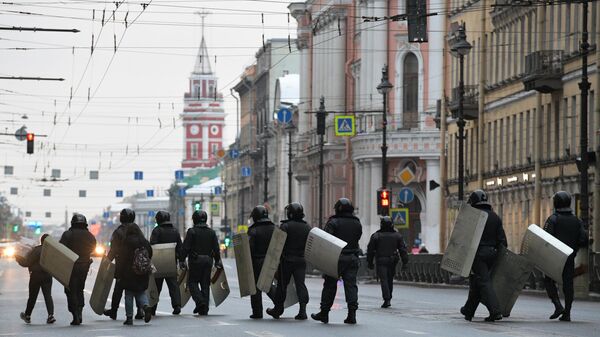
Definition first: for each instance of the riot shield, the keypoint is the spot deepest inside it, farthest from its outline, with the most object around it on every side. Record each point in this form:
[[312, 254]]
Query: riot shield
[[243, 263], [271, 263], [511, 272], [163, 258], [152, 291], [323, 251], [182, 280], [219, 286], [58, 260], [104, 278], [291, 296], [463, 243], [548, 253]]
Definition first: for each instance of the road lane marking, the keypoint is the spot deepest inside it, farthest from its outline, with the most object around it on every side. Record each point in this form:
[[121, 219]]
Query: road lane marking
[[262, 334], [415, 332]]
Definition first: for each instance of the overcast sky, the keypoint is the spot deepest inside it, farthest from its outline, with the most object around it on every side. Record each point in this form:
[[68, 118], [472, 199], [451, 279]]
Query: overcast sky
[[135, 94]]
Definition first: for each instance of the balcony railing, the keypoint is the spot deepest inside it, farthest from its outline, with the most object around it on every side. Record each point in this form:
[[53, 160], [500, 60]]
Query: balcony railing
[[544, 71], [470, 103]]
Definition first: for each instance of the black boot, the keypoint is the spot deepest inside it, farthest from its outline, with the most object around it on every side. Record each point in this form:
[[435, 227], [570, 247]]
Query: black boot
[[256, 315], [203, 311], [558, 309], [463, 311], [322, 316], [301, 312], [111, 313], [147, 313], [139, 314], [177, 310], [275, 312], [351, 318], [386, 304], [128, 321], [493, 317], [80, 315], [565, 317], [75, 320]]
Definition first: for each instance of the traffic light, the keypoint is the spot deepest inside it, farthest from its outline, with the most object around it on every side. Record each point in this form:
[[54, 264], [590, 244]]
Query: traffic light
[[227, 241], [383, 202], [15, 228], [30, 138], [197, 206]]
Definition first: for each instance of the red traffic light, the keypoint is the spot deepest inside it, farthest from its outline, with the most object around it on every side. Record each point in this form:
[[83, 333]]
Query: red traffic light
[[383, 202], [30, 137]]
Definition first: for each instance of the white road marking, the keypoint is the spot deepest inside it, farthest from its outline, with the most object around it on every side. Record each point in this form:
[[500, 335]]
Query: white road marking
[[263, 334], [94, 330], [415, 332]]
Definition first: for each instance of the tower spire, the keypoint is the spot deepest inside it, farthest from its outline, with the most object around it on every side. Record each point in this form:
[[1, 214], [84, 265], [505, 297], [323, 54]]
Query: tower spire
[[202, 65]]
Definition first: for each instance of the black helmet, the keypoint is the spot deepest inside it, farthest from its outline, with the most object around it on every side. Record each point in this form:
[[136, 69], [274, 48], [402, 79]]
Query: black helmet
[[78, 219], [162, 217], [386, 222], [343, 205], [294, 211], [127, 215], [199, 217], [562, 201], [259, 212], [478, 197]]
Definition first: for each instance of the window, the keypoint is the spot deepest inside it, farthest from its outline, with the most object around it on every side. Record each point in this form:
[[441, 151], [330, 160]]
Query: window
[[48, 214], [514, 140], [214, 149], [47, 192], [194, 150], [410, 96], [557, 136], [528, 136], [14, 190], [565, 123], [549, 139], [568, 29], [521, 140]]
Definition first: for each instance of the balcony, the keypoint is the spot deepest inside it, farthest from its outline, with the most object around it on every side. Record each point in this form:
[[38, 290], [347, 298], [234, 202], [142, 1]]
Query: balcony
[[544, 71], [470, 103], [401, 144]]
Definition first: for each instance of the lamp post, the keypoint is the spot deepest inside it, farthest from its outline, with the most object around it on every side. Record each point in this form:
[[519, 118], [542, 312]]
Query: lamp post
[[211, 197], [460, 48], [290, 129], [384, 88]]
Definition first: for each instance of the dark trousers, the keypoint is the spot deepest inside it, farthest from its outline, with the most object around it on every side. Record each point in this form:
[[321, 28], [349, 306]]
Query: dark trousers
[[289, 269], [35, 283], [75, 299], [256, 299], [173, 290], [347, 268], [481, 288], [116, 296], [386, 269], [567, 278], [200, 275]]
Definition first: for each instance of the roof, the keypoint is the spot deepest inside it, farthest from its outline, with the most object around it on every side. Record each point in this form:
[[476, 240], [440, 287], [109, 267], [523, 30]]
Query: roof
[[205, 188], [198, 176], [202, 66]]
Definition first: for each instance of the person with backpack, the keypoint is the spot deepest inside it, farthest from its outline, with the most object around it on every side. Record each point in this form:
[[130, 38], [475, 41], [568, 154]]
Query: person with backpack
[[137, 266], [259, 237], [38, 278]]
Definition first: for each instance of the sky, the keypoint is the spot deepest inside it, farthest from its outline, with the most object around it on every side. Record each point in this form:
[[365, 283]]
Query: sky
[[116, 111]]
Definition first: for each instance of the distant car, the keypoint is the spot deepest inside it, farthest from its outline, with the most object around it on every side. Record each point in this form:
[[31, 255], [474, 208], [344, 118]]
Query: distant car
[[8, 248], [100, 251]]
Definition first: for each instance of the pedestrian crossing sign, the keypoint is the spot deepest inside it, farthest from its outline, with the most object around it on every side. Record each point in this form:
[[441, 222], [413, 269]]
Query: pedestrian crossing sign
[[400, 217], [344, 126]]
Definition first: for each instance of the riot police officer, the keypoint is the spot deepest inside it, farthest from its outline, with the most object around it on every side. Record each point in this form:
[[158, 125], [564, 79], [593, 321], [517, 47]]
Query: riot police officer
[[347, 227], [259, 237], [201, 247], [81, 242], [386, 247], [480, 282], [165, 232], [566, 227], [292, 261]]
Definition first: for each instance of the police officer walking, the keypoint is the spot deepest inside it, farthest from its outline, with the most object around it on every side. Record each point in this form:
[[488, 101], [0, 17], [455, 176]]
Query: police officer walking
[[347, 227], [259, 237], [292, 261], [480, 281], [81, 242], [165, 232], [201, 247], [386, 247], [566, 227]]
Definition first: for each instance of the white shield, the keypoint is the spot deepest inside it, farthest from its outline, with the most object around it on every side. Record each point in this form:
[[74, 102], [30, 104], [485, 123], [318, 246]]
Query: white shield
[[104, 280], [182, 280], [219, 286], [510, 274], [58, 260], [271, 263], [152, 291], [291, 296], [243, 263], [323, 251], [548, 253], [464, 241], [163, 258]]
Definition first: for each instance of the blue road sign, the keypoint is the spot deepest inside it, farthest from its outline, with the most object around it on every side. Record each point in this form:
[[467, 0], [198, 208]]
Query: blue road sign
[[151, 213], [234, 153], [284, 115], [246, 171], [119, 193], [138, 175], [149, 193], [344, 126], [218, 190], [182, 192], [179, 175], [105, 215], [406, 195]]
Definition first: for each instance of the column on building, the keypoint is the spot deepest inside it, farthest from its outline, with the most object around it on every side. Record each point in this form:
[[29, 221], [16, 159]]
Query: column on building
[[435, 33], [372, 195], [205, 141], [431, 227], [379, 51], [365, 188]]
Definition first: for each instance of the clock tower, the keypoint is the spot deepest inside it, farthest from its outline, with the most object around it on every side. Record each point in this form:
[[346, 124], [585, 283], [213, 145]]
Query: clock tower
[[203, 115]]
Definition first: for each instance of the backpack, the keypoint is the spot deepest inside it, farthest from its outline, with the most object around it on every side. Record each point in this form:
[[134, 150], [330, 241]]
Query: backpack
[[142, 264]]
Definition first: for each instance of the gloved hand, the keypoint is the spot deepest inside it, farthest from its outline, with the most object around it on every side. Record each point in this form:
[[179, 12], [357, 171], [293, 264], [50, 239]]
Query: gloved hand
[[371, 266], [219, 264], [182, 265]]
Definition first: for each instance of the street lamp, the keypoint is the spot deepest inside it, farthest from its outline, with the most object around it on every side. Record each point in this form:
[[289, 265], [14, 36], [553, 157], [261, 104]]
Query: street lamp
[[384, 88], [290, 128], [460, 48]]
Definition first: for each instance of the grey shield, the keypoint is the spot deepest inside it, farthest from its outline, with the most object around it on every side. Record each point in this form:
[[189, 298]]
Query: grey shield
[[57, 260], [163, 258], [182, 278], [243, 263], [104, 280], [219, 286], [291, 296], [510, 274], [271, 263], [547, 252], [463, 243], [152, 291], [323, 251]]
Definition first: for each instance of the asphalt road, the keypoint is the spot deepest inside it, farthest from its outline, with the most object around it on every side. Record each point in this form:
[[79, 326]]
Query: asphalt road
[[415, 311]]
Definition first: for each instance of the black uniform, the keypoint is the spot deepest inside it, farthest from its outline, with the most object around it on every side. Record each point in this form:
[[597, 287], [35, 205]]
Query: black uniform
[[116, 253], [292, 261], [566, 227], [83, 243], [348, 228], [386, 247], [480, 282], [201, 247], [38, 279], [166, 233], [259, 236]]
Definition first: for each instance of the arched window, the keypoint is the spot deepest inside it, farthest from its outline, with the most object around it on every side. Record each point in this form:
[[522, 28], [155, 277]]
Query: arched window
[[410, 96]]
